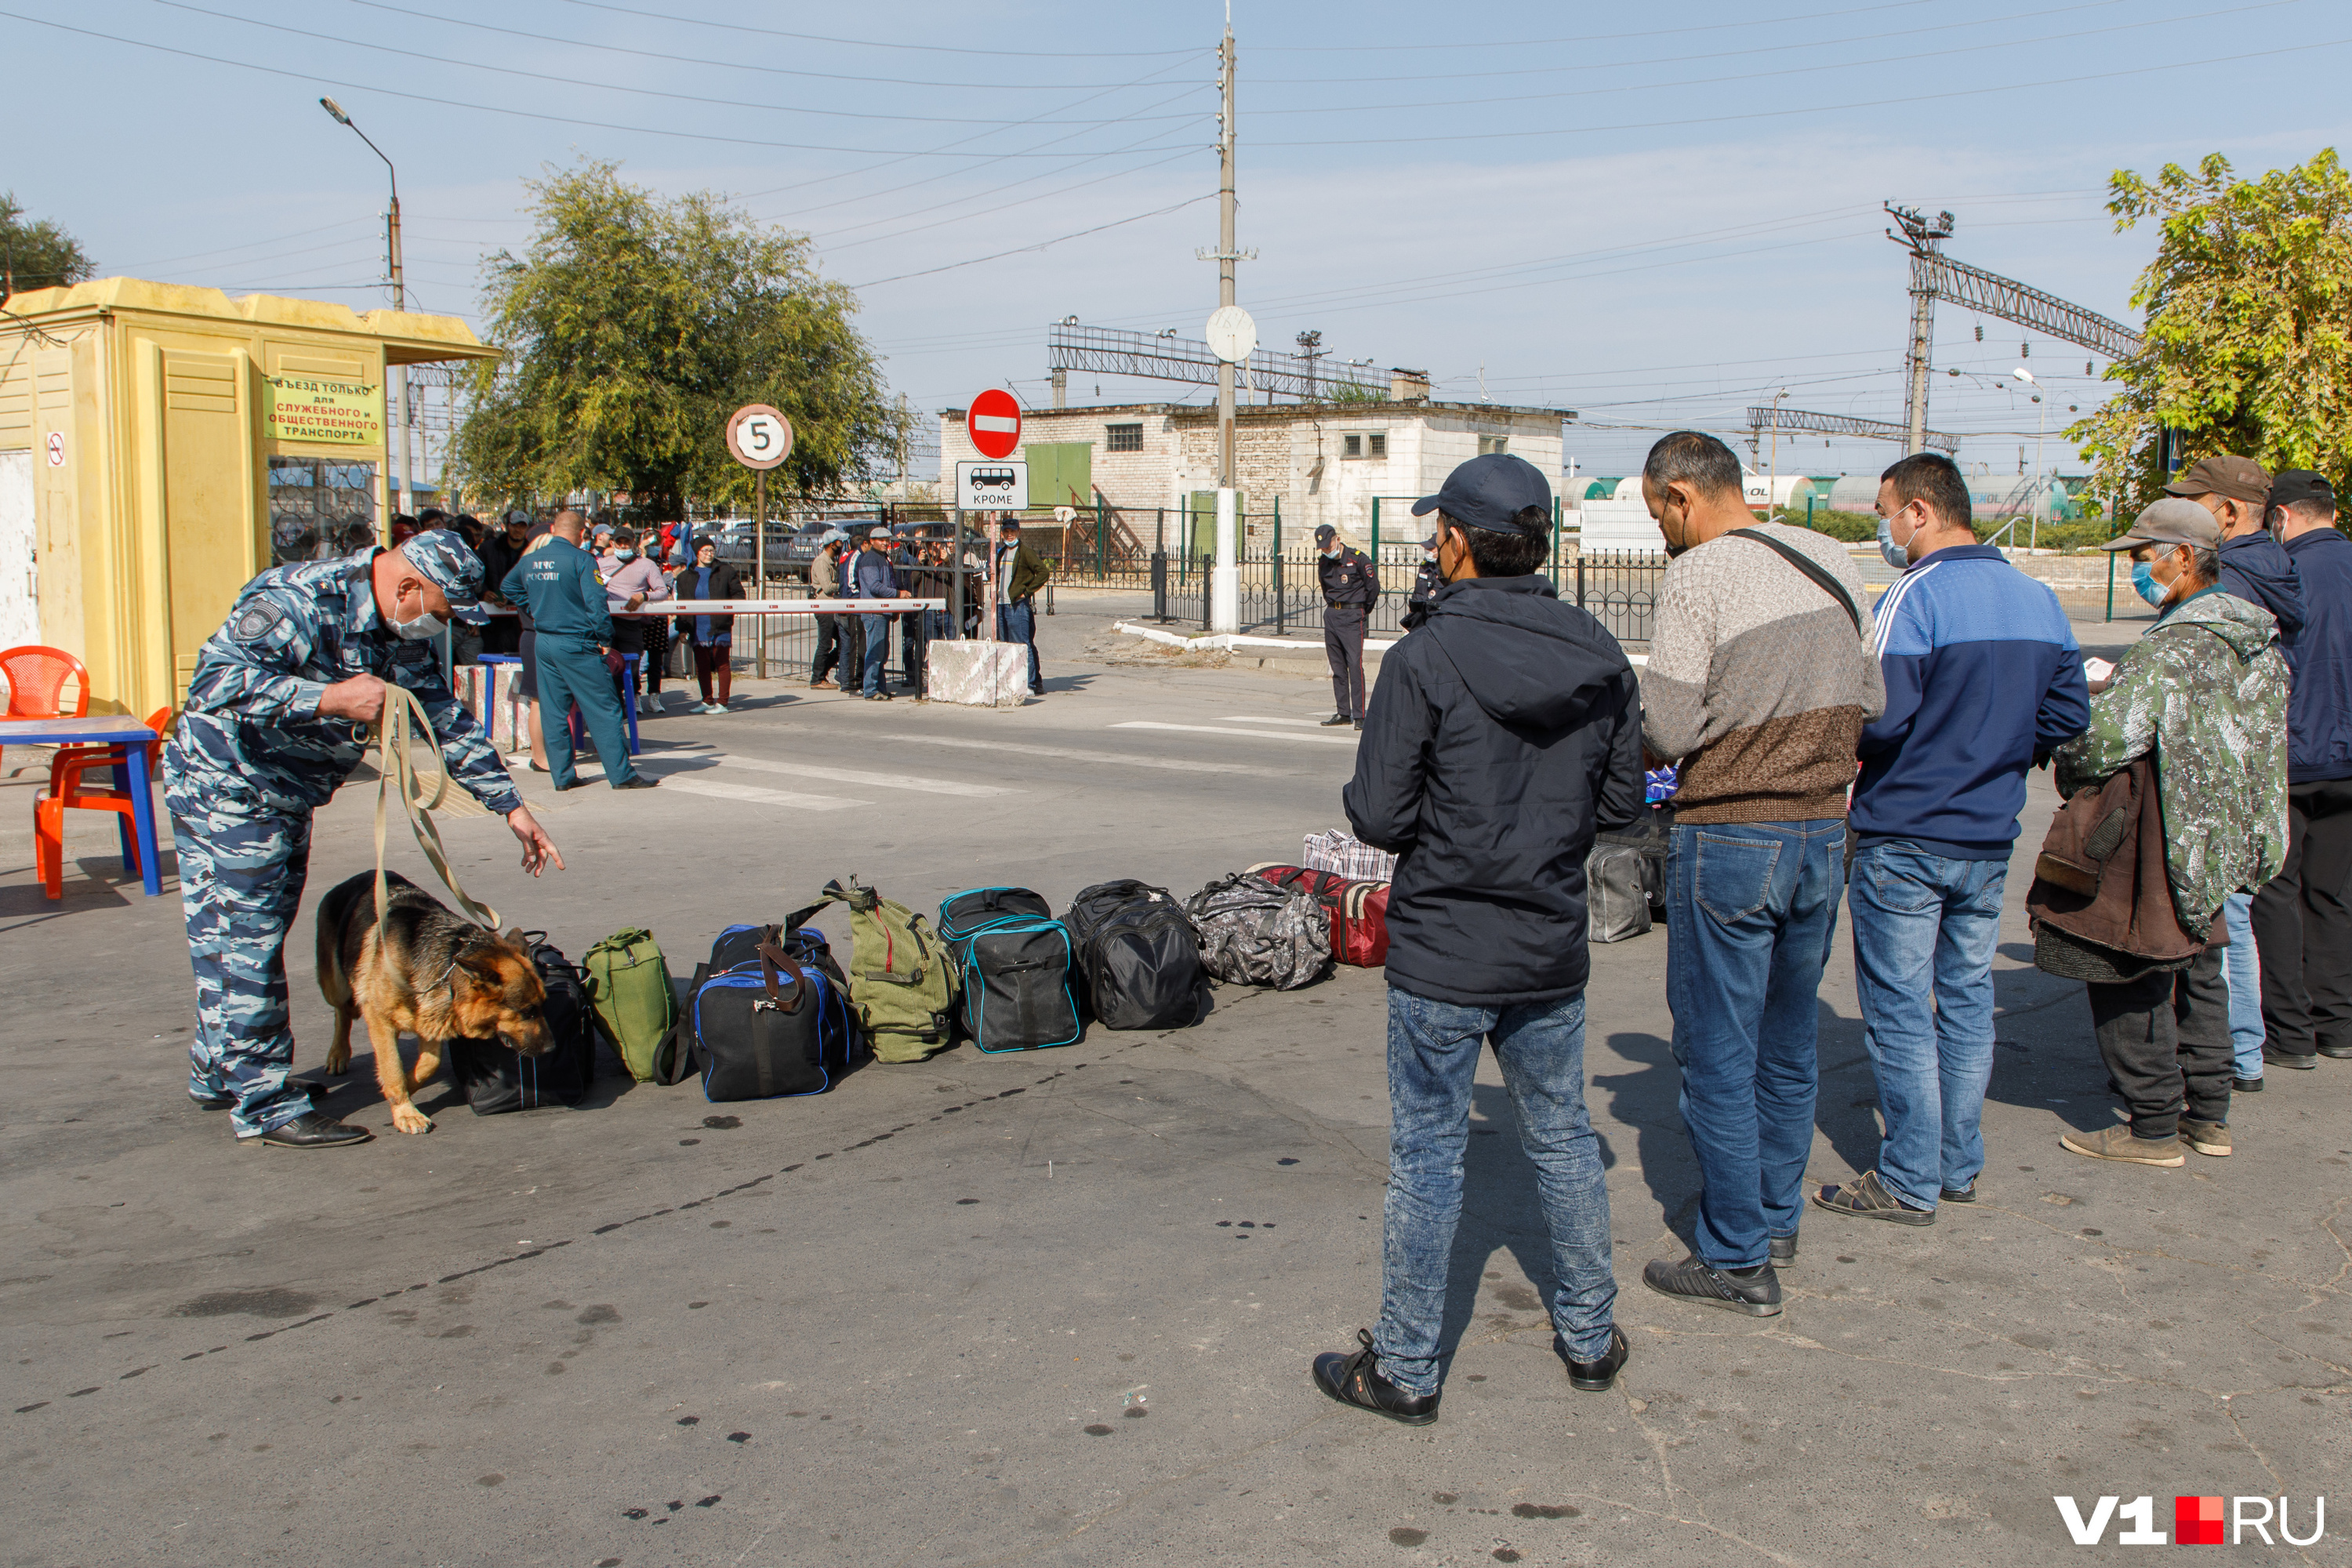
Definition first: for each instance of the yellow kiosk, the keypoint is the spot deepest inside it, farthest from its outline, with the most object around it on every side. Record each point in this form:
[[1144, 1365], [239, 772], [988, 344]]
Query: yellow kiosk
[[160, 444]]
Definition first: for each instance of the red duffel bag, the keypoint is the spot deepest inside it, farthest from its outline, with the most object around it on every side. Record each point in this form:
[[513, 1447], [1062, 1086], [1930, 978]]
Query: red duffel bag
[[1358, 911]]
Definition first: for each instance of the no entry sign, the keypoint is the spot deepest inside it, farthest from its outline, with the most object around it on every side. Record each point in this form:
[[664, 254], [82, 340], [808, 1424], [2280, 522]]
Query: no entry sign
[[993, 422]]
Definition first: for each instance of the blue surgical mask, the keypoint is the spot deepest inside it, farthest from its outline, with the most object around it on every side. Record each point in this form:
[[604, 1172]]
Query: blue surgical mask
[[625, 555], [1896, 554], [2144, 582]]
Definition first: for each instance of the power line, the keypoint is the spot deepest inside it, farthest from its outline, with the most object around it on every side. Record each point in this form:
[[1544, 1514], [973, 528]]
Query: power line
[[749, 66], [640, 91], [739, 28], [1906, 98], [315, 81], [1944, 53], [1584, 38], [1018, 250]]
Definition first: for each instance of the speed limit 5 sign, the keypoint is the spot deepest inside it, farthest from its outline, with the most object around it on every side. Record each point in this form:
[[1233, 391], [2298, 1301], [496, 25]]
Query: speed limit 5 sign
[[758, 436]]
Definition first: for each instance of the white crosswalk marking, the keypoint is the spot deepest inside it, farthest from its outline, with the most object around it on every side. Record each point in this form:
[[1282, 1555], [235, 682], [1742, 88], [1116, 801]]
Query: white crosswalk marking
[[849, 775], [1064, 753], [1254, 719], [720, 789], [1348, 739]]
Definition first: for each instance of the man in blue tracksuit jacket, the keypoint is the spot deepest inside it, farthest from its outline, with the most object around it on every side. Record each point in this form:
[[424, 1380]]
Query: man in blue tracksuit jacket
[[556, 586], [1983, 681], [2301, 919], [2257, 569]]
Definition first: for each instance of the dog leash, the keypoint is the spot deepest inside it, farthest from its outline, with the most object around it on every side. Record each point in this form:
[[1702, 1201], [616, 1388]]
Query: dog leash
[[403, 720]]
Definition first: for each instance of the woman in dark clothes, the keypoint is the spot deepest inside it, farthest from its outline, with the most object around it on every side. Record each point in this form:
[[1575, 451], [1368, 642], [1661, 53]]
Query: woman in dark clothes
[[711, 636]]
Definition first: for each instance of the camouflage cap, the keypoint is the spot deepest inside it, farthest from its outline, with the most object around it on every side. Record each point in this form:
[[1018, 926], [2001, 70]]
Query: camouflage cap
[[444, 561], [2171, 521], [2233, 478]]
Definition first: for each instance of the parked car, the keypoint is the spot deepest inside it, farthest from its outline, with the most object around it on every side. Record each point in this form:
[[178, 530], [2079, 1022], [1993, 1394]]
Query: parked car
[[790, 546]]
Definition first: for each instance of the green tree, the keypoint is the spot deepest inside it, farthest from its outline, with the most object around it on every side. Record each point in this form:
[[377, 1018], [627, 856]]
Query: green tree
[[37, 255], [633, 327], [2249, 344]]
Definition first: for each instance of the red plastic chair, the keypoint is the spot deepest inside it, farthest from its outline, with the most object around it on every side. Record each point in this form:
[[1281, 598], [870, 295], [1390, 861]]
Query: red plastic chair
[[67, 792], [37, 680]]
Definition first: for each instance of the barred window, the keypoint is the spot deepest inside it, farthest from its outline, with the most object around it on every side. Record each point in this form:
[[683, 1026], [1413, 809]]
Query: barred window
[[1123, 437], [1378, 441], [1355, 447]]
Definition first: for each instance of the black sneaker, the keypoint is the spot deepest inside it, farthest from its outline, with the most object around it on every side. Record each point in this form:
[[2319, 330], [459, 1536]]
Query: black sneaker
[[2293, 1061], [2245, 1086], [1866, 1197], [1352, 1378], [1784, 1249], [1755, 1291], [2339, 1053], [1593, 1376], [1336, 720], [641, 781], [1967, 1194]]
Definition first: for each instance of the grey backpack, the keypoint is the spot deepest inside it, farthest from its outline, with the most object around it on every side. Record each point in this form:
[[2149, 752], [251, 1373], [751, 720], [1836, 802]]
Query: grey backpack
[[1255, 934]]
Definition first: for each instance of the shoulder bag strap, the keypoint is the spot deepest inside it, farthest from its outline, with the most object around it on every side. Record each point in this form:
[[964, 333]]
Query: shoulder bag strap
[[772, 959], [1809, 566]]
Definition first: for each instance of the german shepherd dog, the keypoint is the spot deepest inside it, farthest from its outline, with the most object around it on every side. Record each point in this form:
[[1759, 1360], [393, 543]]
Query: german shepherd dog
[[433, 976]]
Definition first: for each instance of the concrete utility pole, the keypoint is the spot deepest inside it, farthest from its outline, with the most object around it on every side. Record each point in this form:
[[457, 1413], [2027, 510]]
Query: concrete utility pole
[[1226, 256]]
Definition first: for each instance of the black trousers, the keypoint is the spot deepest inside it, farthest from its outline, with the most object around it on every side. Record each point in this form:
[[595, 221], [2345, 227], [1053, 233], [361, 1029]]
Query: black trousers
[[828, 649], [852, 632], [914, 647], [2303, 924], [1343, 643], [2166, 1040]]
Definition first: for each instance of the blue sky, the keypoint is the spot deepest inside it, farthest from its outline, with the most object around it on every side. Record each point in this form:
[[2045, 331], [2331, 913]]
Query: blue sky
[[1655, 217]]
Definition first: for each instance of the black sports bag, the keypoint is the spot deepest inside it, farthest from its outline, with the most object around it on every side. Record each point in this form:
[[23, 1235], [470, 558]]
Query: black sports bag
[[1137, 956], [497, 1080], [771, 1014], [1013, 961]]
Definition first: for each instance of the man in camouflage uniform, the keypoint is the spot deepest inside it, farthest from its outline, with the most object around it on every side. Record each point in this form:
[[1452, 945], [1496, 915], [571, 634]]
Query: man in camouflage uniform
[[276, 710], [2204, 693]]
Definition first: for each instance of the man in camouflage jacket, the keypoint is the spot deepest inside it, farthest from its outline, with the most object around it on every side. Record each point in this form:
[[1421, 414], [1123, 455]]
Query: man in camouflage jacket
[[2204, 692], [276, 712]]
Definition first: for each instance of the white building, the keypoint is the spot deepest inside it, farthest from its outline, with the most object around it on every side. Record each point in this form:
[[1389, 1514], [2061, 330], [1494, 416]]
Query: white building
[[1321, 462]]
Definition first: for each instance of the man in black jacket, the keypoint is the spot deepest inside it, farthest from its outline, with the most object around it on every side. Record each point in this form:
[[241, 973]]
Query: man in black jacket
[[1505, 731], [1426, 581], [1351, 588]]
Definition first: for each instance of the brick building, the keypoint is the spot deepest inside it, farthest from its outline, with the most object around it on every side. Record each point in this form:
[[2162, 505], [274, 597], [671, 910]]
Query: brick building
[[1153, 463]]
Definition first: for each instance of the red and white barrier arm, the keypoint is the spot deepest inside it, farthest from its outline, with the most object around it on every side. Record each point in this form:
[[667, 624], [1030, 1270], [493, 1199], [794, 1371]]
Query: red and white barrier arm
[[770, 607]]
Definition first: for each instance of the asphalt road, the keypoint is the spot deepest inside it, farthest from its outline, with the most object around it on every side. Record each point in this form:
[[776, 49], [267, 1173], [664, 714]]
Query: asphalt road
[[1058, 1308]]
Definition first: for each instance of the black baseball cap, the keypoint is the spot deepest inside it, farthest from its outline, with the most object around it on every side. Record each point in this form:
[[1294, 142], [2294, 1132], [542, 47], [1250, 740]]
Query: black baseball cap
[[2295, 487], [1325, 533], [1489, 492]]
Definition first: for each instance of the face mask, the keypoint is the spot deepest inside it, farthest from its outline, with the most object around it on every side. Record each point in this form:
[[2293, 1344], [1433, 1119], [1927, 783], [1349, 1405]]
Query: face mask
[[422, 626], [1895, 554], [2145, 584], [625, 555]]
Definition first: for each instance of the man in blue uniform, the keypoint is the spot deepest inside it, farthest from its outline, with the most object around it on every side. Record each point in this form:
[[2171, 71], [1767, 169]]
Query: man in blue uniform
[[556, 586], [275, 708]]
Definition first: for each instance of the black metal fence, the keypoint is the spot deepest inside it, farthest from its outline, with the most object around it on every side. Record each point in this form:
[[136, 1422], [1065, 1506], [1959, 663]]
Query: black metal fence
[[1282, 595]]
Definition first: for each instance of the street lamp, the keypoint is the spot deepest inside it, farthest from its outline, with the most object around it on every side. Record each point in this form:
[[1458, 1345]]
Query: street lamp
[[2041, 480], [399, 297]]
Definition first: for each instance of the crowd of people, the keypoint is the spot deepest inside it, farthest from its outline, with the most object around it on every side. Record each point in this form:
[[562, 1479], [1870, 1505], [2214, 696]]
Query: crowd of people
[[1827, 751]]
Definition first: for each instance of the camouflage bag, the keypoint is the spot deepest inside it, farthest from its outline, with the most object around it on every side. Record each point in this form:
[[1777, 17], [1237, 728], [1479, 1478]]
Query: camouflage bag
[[901, 983], [1255, 934]]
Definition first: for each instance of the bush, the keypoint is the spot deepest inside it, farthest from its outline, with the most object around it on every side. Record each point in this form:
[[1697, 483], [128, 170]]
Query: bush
[[1846, 527]]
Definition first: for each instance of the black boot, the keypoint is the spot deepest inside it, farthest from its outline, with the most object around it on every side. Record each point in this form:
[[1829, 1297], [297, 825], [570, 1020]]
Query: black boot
[[311, 1129], [1353, 1379]]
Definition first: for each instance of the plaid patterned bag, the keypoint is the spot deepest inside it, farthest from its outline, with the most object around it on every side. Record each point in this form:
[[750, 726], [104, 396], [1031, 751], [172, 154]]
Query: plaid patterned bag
[[1342, 851]]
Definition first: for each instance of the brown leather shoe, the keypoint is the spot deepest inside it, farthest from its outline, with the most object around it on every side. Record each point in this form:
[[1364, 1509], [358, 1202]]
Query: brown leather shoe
[[2117, 1142]]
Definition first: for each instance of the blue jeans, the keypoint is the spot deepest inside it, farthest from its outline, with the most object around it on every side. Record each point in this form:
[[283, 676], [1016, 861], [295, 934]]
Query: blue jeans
[[1017, 622], [1750, 906], [877, 650], [1925, 927], [1433, 1056], [2242, 970]]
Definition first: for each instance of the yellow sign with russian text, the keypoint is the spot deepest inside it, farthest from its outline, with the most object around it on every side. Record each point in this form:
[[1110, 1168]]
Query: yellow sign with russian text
[[325, 413]]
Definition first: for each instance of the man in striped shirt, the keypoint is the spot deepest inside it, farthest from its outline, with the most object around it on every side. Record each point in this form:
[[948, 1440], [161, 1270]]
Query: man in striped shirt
[[1983, 681], [1761, 679]]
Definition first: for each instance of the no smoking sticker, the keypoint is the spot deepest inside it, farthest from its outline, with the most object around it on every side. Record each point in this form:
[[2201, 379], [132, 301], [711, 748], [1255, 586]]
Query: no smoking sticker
[[57, 448]]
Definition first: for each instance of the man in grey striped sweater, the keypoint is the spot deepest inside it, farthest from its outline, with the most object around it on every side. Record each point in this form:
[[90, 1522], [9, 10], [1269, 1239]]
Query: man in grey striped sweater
[[1761, 679]]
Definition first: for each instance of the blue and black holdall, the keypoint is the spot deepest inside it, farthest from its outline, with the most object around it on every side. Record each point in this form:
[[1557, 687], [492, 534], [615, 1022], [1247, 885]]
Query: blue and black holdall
[[1014, 959], [770, 1013]]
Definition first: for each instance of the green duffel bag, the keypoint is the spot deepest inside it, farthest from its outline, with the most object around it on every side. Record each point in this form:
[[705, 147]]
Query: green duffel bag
[[635, 1005], [901, 983]]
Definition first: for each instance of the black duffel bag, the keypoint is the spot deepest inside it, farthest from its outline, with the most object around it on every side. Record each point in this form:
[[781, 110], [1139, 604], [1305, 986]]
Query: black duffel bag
[[770, 1013], [497, 1080], [1138, 956]]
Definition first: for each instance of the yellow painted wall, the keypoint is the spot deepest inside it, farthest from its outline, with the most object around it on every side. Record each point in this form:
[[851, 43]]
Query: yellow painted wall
[[152, 510]]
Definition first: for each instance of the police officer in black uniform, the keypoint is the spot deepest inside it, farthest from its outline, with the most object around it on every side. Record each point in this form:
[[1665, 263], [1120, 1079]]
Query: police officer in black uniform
[[1425, 584], [1351, 588]]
